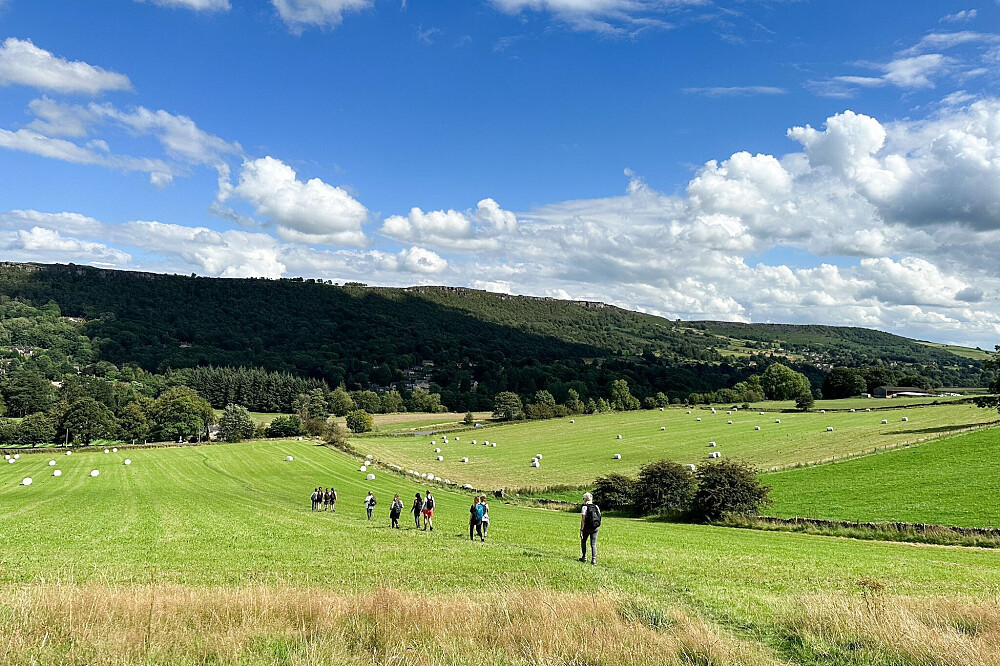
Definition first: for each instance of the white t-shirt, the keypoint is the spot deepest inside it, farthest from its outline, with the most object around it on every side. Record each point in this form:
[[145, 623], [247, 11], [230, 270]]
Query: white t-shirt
[[369, 500]]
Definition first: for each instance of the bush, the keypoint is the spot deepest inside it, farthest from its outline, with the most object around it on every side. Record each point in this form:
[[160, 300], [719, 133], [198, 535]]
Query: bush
[[236, 424], [614, 491], [360, 421], [334, 433], [664, 486], [728, 487], [284, 426], [469, 419]]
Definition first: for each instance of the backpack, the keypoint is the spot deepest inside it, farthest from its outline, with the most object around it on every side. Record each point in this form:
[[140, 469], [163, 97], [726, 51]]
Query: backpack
[[430, 503], [593, 519]]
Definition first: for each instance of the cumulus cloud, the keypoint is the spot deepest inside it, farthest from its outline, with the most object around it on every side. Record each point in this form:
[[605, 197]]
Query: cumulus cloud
[[301, 14], [197, 5], [960, 16], [302, 211], [39, 243], [23, 63], [462, 230]]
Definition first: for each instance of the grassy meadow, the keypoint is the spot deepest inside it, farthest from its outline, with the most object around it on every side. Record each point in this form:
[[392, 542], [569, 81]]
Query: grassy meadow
[[577, 450], [210, 554], [951, 481]]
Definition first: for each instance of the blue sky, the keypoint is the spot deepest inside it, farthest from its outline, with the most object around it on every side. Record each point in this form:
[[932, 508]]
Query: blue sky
[[641, 152]]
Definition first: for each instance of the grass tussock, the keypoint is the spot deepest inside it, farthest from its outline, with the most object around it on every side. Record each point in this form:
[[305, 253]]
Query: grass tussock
[[877, 628], [99, 625]]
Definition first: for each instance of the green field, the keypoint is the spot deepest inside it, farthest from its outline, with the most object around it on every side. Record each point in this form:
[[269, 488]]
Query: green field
[[233, 520], [394, 423], [576, 453], [967, 352], [951, 481], [869, 403]]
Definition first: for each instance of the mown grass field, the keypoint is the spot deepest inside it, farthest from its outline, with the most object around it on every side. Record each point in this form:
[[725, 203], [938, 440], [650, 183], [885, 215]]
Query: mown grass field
[[951, 481], [873, 403], [210, 554], [576, 453], [393, 423]]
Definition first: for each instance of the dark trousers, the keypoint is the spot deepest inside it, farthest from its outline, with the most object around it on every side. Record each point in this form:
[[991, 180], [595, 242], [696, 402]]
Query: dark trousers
[[416, 519], [369, 510], [477, 526], [394, 519], [593, 545], [486, 526]]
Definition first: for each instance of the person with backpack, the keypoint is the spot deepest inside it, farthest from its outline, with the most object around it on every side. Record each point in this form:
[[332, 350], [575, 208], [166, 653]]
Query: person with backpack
[[370, 503], [333, 499], [428, 511], [486, 515], [315, 497], [326, 500], [418, 506], [476, 518], [590, 525], [395, 509]]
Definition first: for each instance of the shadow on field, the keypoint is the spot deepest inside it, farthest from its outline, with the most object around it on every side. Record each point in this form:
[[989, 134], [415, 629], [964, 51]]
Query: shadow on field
[[936, 430]]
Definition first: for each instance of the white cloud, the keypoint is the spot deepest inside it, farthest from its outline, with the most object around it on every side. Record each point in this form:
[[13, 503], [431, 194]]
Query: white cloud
[[960, 16], [23, 63], [735, 91], [197, 5], [300, 14], [468, 230], [912, 72], [303, 212], [73, 224], [606, 16], [48, 245]]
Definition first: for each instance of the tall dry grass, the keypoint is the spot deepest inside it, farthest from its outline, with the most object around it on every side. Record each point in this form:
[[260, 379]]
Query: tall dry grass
[[874, 627], [161, 624]]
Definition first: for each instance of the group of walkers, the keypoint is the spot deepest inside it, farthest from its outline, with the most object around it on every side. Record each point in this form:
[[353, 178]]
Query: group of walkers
[[479, 515], [324, 500]]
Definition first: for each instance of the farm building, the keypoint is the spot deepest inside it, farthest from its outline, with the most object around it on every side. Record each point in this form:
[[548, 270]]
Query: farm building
[[900, 392]]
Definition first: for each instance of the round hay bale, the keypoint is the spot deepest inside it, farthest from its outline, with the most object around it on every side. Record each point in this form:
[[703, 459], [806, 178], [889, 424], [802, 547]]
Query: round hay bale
[[69, 452], [440, 458], [127, 462], [698, 419], [494, 445], [95, 472], [756, 427], [906, 418], [712, 444], [535, 463], [572, 420], [690, 468], [437, 450], [370, 477], [363, 468], [114, 450], [474, 441], [762, 413], [52, 463], [26, 481], [457, 438], [7, 457], [617, 456], [829, 428], [369, 456], [289, 459], [663, 428], [465, 460], [619, 436], [17, 456], [58, 472], [107, 450], [730, 422], [885, 421], [437, 479], [777, 420], [11, 461], [538, 455]]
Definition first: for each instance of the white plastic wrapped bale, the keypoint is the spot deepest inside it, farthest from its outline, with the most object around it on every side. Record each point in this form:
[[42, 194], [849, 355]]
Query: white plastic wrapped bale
[[756, 427], [7, 457], [11, 461], [698, 419], [868, 409], [617, 456], [468, 486], [433, 441], [437, 479], [58, 472], [619, 436], [538, 455], [289, 459], [690, 468], [127, 462], [114, 450], [572, 420], [777, 420], [822, 411], [437, 450], [493, 445], [440, 458], [474, 441], [17, 456], [829, 428], [364, 468], [661, 409], [52, 463], [906, 418], [465, 460], [761, 413], [853, 410], [369, 456], [885, 421], [689, 411], [714, 454], [663, 427], [458, 438], [370, 477], [730, 422], [26, 481], [712, 444], [95, 472], [69, 452], [447, 482], [535, 463], [107, 450], [486, 442]]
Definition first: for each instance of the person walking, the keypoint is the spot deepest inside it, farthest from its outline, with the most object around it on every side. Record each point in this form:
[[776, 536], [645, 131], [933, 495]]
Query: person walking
[[476, 518], [370, 503], [590, 525], [395, 509], [315, 497], [418, 506], [428, 511], [333, 499], [486, 515], [326, 500]]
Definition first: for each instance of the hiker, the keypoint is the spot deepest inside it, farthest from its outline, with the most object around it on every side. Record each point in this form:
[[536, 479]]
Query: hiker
[[333, 499], [395, 509], [476, 518], [428, 511], [418, 506], [326, 499], [315, 497], [370, 503], [486, 515], [590, 525]]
